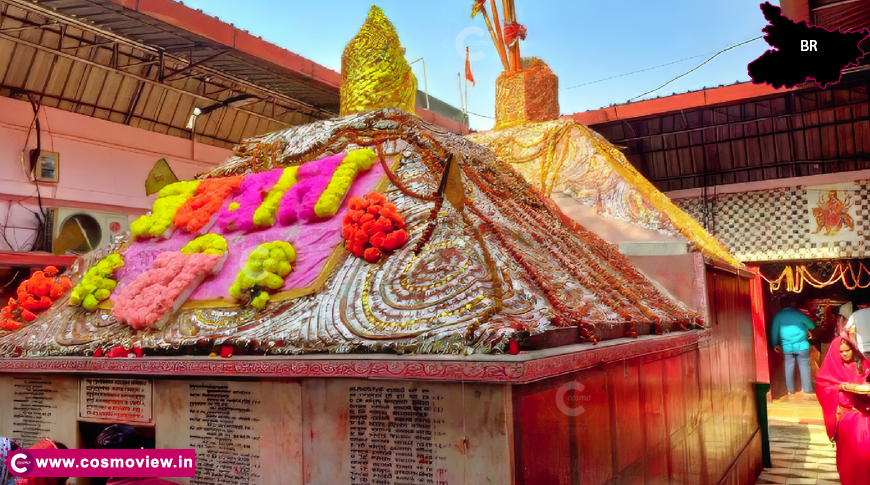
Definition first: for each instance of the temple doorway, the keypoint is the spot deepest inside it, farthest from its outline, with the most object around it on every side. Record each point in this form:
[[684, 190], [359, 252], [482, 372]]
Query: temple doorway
[[819, 289]]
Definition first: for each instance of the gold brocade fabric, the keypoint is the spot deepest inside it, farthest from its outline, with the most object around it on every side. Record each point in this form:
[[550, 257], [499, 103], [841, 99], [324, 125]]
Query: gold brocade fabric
[[503, 268], [564, 157], [374, 72], [531, 94]]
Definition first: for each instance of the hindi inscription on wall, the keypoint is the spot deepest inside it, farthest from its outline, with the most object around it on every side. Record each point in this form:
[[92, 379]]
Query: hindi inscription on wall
[[34, 409], [115, 400], [224, 420], [395, 433]]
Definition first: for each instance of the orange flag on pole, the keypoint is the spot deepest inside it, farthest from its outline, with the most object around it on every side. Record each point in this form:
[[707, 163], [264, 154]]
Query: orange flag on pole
[[468, 75]]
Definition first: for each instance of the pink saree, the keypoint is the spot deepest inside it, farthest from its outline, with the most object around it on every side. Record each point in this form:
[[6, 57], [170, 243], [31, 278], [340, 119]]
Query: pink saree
[[851, 429]]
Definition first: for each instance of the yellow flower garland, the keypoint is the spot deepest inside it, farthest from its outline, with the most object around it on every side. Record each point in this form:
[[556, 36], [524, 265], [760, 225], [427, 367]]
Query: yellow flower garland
[[170, 199], [267, 266], [264, 216], [97, 284], [206, 244], [355, 162]]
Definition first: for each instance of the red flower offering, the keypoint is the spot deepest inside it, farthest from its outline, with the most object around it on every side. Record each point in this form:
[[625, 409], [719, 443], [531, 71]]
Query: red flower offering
[[373, 226], [35, 295]]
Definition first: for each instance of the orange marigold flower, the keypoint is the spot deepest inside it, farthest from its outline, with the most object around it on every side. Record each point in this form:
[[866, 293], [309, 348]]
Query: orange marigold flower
[[372, 255]]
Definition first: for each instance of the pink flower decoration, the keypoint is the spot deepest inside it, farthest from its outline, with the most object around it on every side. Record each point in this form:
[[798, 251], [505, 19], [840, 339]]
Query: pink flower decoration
[[251, 195], [158, 292], [313, 178]]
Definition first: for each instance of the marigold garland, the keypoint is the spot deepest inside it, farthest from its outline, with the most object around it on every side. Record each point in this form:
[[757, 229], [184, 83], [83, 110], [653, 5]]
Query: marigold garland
[[265, 215], [614, 298], [298, 203], [239, 214], [206, 244], [433, 214], [198, 212], [514, 190], [398, 183], [35, 295], [432, 221], [564, 315], [355, 162], [373, 226], [159, 222], [97, 284], [524, 193], [497, 285], [266, 268]]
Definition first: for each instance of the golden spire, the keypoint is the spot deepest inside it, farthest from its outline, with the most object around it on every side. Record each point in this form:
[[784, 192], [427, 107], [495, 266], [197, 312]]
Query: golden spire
[[374, 72]]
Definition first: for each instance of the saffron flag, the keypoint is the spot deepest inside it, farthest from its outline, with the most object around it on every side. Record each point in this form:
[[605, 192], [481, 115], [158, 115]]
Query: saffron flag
[[468, 76]]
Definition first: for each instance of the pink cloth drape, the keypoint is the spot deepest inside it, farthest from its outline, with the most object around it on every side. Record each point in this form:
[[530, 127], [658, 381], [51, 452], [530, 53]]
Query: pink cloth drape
[[851, 432]]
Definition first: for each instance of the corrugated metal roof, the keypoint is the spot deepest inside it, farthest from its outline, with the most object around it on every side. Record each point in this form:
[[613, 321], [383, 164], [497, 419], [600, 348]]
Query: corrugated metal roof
[[166, 25], [147, 73], [797, 133]]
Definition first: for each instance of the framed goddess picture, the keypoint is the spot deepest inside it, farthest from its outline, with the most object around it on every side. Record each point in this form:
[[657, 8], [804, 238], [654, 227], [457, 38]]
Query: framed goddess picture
[[47, 168], [836, 217]]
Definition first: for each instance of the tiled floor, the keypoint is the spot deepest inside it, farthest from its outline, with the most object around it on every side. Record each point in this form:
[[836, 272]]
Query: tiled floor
[[799, 408], [800, 451]]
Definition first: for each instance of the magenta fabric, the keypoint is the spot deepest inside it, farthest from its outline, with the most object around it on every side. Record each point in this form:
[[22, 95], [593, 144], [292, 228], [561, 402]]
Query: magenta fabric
[[251, 194], [852, 433], [312, 179], [314, 241]]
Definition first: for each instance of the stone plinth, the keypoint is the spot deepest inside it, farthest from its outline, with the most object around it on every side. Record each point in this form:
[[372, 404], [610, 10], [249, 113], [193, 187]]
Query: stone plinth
[[623, 411]]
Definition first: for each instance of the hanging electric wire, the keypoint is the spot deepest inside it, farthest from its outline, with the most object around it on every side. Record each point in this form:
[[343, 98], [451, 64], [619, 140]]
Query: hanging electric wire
[[633, 72], [698, 67]]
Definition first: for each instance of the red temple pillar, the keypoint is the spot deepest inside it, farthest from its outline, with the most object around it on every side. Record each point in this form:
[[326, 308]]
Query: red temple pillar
[[759, 326]]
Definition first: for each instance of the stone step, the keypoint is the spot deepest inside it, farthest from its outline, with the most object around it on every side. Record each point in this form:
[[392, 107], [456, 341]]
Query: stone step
[[801, 453]]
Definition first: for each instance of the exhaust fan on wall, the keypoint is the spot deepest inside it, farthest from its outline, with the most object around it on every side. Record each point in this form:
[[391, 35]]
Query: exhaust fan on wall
[[79, 231]]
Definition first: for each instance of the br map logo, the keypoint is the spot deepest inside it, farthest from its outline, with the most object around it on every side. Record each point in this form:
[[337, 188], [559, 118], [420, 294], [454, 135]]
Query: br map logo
[[802, 52]]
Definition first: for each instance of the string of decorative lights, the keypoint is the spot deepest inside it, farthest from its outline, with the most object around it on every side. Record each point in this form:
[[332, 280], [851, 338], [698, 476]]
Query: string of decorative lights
[[796, 276]]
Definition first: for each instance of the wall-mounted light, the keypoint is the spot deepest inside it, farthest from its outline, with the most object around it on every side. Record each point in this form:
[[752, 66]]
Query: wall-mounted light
[[234, 102]]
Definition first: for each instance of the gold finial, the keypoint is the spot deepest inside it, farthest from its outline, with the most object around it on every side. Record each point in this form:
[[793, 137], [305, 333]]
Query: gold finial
[[374, 72]]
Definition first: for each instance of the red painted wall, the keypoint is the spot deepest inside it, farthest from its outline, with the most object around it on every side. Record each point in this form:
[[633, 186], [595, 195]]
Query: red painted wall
[[685, 416], [759, 328]]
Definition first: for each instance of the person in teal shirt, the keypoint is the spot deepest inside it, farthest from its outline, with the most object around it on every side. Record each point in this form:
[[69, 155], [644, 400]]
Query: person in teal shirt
[[789, 336]]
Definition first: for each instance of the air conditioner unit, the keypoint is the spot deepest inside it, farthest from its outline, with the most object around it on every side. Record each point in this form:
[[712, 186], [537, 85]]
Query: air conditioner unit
[[80, 231]]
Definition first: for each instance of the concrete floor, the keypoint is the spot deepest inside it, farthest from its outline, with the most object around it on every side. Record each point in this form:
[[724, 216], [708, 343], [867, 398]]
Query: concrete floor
[[800, 450]]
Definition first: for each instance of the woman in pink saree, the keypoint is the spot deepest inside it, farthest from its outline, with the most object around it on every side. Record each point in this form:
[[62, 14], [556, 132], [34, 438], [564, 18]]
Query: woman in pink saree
[[847, 414]]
